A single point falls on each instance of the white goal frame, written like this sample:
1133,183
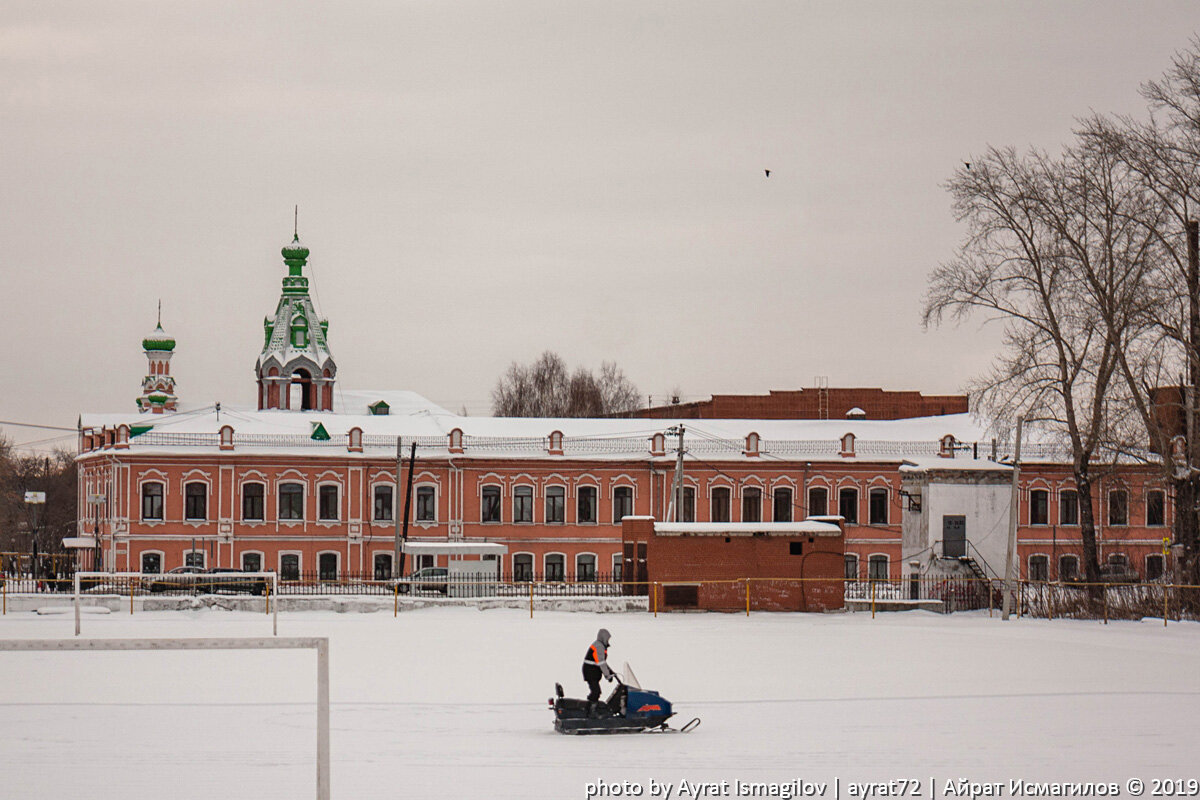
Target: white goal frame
320,644
184,578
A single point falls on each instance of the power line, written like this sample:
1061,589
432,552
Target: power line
35,425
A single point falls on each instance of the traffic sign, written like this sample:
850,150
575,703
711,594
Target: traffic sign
35,498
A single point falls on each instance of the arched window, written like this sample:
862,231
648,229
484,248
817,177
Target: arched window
152,563
877,568
291,501
301,391
523,567
752,504
1039,507
818,501
195,496
299,331
556,504
851,567
848,505
622,502
585,567
1068,567
152,500
556,565
252,562
782,505
719,506
489,503
253,506
877,510
1039,568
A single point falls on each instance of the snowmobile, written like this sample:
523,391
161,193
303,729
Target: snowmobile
629,709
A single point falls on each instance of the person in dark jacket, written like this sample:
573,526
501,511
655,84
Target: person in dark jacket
595,665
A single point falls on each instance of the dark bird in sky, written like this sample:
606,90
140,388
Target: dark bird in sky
768,172
967,164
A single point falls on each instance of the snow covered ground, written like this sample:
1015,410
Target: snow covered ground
451,702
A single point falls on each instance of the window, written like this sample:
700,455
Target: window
1039,568
1155,508
585,567
851,567
618,567
720,505
489,505
253,505
585,508
1118,560
152,563
1039,507
383,503
1154,567
556,504
752,505
1068,568
327,566
848,505
877,568
327,502
426,504
877,507
252,562
622,502
523,504
523,567
152,500
687,513
818,502
289,567
555,566
782,505
195,501
1068,507
194,558
291,502
383,566
1118,507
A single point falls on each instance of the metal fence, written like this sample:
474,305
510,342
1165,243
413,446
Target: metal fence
1039,599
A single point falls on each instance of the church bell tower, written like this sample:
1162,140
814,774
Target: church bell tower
295,369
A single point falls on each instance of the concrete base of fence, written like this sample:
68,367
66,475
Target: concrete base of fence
897,605
349,604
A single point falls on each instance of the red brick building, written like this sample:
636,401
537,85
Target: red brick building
306,481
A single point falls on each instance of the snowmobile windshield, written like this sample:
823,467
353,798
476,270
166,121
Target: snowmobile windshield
629,679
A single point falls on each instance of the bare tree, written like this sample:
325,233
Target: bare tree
546,389
1033,260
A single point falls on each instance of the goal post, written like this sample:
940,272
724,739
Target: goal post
320,644
270,578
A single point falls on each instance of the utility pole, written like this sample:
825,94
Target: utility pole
1187,494
1012,524
396,513
412,458
677,492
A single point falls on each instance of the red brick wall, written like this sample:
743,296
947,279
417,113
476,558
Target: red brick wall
727,561
806,404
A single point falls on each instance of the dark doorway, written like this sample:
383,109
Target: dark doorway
954,536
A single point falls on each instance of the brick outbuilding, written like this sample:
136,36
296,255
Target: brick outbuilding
727,566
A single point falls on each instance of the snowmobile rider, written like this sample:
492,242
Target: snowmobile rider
595,664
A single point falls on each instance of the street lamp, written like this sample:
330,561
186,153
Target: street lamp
34,499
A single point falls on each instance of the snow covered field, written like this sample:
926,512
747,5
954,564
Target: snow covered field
451,703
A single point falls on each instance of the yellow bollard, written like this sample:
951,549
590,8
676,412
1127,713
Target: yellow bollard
747,597
267,595
872,599
396,601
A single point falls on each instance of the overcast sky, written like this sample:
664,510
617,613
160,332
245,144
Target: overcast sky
481,181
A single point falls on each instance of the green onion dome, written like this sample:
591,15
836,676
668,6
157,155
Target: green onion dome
158,341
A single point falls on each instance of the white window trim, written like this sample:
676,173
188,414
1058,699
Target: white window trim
546,498
1029,565
336,554
887,560
426,523
887,505
546,560
299,554
303,501
162,561
241,501
612,500
195,521
329,522
161,520
203,557
578,487
532,561
262,557
532,504
499,486
595,563
391,485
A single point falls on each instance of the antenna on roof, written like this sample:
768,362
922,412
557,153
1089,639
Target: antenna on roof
160,312
296,223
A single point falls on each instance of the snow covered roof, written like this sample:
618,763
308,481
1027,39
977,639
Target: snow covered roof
956,464
414,418
455,548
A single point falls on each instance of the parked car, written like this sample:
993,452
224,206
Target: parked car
429,579
173,579
227,579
